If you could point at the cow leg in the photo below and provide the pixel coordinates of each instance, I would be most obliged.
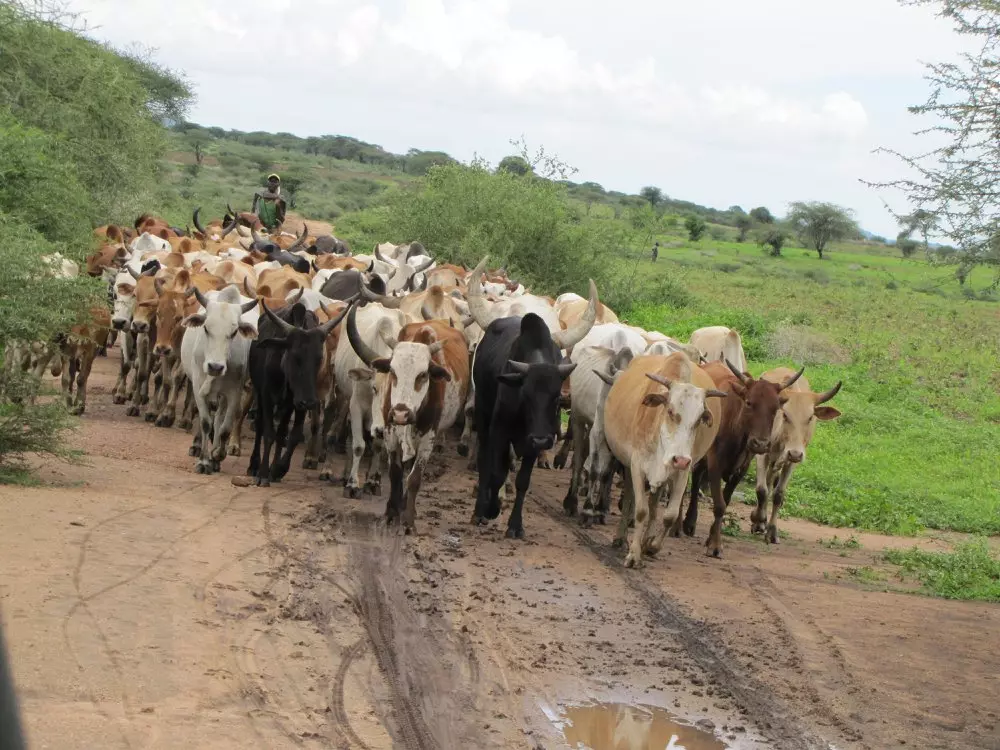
(493, 460)
(373, 479)
(141, 383)
(310, 459)
(331, 436)
(641, 504)
(234, 446)
(352, 487)
(563, 455)
(771, 535)
(515, 523)
(337, 441)
(132, 347)
(578, 434)
(178, 386)
(714, 542)
(627, 508)
(88, 353)
(414, 479)
(466, 445)
(671, 512)
(224, 421)
(159, 386)
(759, 514)
(258, 438)
(265, 431)
(204, 464)
(187, 416)
(329, 415)
(67, 378)
(394, 505)
(653, 523)
(691, 518)
(544, 460)
(296, 436)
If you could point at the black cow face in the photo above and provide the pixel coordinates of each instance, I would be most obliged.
(537, 388)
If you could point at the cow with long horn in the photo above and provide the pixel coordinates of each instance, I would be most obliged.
(745, 431)
(793, 428)
(518, 375)
(429, 366)
(284, 362)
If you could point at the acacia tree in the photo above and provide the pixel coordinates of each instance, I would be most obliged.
(652, 194)
(744, 224)
(762, 215)
(957, 182)
(819, 224)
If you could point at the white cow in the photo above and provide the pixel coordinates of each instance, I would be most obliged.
(214, 353)
(718, 343)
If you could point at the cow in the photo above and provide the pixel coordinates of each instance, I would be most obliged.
(402, 279)
(357, 389)
(350, 283)
(790, 435)
(589, 387)
(744, 431)
(285, 257)
(214, 353)
(718, 343)
(77, 350)
(431, 304)
(660, 417)
(428, 370)
(124, 286)
(285, 361)
(518, 373)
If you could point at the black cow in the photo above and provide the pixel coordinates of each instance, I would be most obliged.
(518, 374)
(284, 363)
(284, 257)
(344, 285)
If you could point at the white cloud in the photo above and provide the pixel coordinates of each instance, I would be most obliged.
(721, 102)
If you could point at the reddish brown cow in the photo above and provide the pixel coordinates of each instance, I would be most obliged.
(77, 351)
(745, 430)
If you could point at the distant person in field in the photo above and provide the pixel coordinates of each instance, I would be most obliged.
(656, 251)
(269, 204)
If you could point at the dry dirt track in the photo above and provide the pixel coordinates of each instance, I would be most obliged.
(147, 607)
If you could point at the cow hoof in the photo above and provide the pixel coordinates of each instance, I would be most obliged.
(163, 422)
(310, 463)
(758, 528)
(716, 553)
(200, 468)
(570, 505)
(373, 488)
(543, 463)
(472, 465)
(132, 411)
(263, 482)
(599, 518)
(409, 529)
(216, 466)
(77, 411)
(118, 400)
(352, 492)
(515, 533)
(463, 450)
(689, 528)
(618, 543)
(771, 535)
(632, 562)
(193, 451)
(560, 462)
(479, 520)
(674, 532)
(586, 520)
(150, 416)
(234, 450)
(326, 475)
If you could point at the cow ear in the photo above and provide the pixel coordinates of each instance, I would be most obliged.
(359, 373)
(439, 373)
(513, 379)
(826, 412)
(707, 418)
(193, 321)
(381, 364)
(247, 331)
(656, 399)
(273, 344)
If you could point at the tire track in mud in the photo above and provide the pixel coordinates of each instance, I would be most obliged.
(710, 654)
(347, 658)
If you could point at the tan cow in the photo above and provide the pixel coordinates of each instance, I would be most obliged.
(661, 417)
(77, 351)
(718, 343)
(793, 429)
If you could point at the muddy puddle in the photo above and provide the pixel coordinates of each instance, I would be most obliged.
(620, 726)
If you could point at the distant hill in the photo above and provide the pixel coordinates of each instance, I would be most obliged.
(328, 175)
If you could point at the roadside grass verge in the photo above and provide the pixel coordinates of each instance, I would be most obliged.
(968, 572)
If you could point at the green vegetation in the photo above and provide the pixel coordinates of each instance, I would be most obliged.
(80, 144)
(971, 571)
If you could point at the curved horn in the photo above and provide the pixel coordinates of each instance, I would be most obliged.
(791, 381)
(659, 379)
(378, 254)
(386, 336)
(742, 378)
(823, 398)
(521, 367)
(285, 327)
(334, 320)
(365, 353)
(477, 305)
(712, 393)
(230, 228)
(298, 297)
(132, 272)
(426, 313)
(232, 211)
(467, 321)
(197, 222)
(423, 266)
(415, 248)
(575, 333)
(390, 302)
(371, 266)
(246, 288)
(201, 298)
(436, 347)
(314, 266)
(299, 241)
(248, 306)
(256, 238)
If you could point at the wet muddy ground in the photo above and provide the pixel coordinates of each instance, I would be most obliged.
(148, 607)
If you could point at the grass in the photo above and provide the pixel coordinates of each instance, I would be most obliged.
(969, 572)
(835, 542)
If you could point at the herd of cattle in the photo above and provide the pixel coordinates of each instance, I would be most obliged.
(387, 351)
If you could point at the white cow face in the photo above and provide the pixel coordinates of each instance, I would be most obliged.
(221, 323)
(795, 423)
(121, 317)
(411, 371)
(685, 411)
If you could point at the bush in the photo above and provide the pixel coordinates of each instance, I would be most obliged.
(695, 227)
(970, 572)
(718, 234)
(805, 346)
(728, 267)
(818, 275)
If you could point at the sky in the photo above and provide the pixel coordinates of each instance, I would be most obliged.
(721, 102)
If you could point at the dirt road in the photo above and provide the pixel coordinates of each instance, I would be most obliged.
(148, 607)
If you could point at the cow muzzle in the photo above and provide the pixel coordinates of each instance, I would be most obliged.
(140, 326)
(759, 446)
(214, 368)
(118, 324)
(542, 443)
(163, 350)
(401, 415)
(795, 457)
(681, 462)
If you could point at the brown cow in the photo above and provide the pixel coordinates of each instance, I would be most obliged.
(77, 351)
(427, 387)
(745, 430)
(793, 429)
